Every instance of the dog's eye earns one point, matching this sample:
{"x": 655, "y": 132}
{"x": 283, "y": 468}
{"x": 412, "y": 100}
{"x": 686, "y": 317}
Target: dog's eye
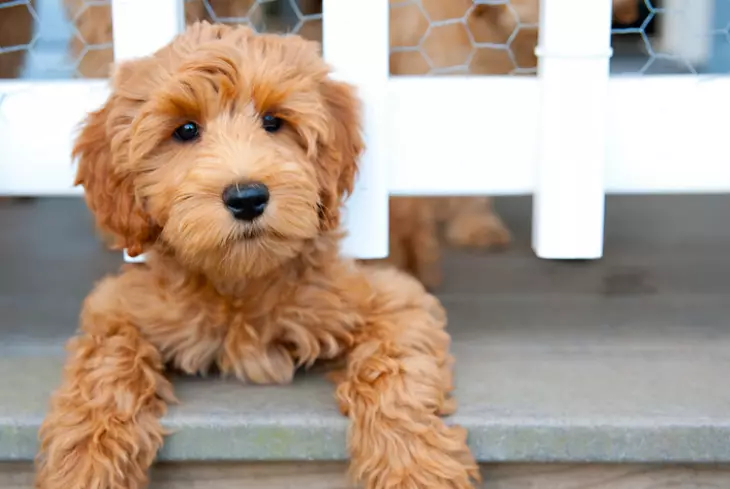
{"x": 271, "y": 123}
{"x": 187, "y": 132}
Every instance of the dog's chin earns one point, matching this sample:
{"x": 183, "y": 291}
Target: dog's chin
{"x": 248, "y": 253}
{"x": 211, "y": 243}
{"x": 257, "y": 254}
{"x": 252, "y": 234}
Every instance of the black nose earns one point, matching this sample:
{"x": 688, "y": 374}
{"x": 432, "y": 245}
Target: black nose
{"x": 246, "y": 201}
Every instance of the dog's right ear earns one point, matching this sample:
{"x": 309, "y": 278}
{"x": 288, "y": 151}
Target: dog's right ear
{"x": 102, "y": 151}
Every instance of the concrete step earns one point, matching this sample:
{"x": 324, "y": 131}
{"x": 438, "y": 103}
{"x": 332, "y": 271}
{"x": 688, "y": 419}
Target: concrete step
{"x": 624, "y": 359}
{"x": 331, "y": 475}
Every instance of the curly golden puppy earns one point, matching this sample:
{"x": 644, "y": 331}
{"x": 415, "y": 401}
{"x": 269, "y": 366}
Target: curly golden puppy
{"x": 225, "y": 157}
{"x": 414, "y": 238}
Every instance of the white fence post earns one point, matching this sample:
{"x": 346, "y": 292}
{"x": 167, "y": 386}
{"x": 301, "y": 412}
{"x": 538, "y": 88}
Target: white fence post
{"x": 574, "y": 51}
{"x": 141, "y": 27}
{"x": 356, "y": 42}
{"x": 686, "y": 30}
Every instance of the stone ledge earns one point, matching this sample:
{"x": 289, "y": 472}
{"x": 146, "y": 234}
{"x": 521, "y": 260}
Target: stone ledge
{"x": 520, "y": 400}
{"x": 624, "y": 359}
{"x": 325, "y": 475}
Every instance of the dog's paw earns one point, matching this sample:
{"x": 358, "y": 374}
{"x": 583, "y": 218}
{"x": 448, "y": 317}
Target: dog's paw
{"x": 478, "y": 231}
{"x": 434, "y": 457}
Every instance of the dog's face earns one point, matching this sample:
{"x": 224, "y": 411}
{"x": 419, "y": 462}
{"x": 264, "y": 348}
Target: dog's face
{"x": 230, "y": 149}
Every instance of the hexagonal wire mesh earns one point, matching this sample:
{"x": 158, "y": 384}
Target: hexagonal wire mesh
{"x": 17, "y": 35}
{"x": 446, "y": 37}
{"x": 94, "y": 27}
{"x": 427, "y": 36}
{"x": 303, "y": 17}
{"x": 640, "y": 45}
{"x": 62, "y": 38}
{"x": 73, "y": 38}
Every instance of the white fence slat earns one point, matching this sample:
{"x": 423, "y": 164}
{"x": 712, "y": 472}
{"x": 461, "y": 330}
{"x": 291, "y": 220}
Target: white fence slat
{"x": 38, "y": 122}
{"x": 672, "y": 147}
{"x": 685, "y": 30}
{"x": 665, "y": 135}
{"x": 141, "y": 27}
{"x": 355, "y": 43}
{"x": 462, "y": 135}
{"x": 574, "y": 53}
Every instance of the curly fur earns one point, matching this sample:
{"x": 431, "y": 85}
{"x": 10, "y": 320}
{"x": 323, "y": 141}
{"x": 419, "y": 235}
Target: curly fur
{"x": 253, "y": 300}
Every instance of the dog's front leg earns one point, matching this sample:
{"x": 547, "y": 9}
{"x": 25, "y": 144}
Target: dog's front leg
{"x": 474, "y": 223}
{"x": 396, "y": 386}
{"x": 103, "y": 430}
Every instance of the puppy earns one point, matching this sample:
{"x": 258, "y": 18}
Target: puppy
{"x": 414, "y": 237}
{"x": 226, "y": 157}
{"x": 469, "y": 221}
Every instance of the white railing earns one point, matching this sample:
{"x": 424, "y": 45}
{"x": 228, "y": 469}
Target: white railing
{"x": 568, "y": 136}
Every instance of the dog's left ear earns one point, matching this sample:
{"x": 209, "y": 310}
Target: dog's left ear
{"x": 102, "y": 151}
{"x": 340, "y": 152}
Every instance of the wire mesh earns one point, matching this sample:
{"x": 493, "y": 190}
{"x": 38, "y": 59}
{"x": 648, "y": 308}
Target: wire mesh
{"x": 73, "y": 38}
{"x": 447, "y": 37}
{"x": 42, "y": 39}
{"x": 17, "y": 35}
{"x": 672, "y": 37}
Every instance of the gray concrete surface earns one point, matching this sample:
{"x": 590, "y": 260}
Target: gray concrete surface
{"x": 622, "y": 359}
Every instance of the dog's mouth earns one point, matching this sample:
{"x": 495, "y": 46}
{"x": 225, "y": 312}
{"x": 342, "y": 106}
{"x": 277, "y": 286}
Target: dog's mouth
{"x": 251, "y": 234}
{"x": 255, "y": 233}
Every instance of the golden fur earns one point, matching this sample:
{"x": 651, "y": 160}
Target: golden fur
{"x": 255, "y": 300}
{"x": 414, "y": 221}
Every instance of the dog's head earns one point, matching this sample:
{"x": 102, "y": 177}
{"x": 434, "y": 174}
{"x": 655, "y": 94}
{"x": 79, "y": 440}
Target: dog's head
{"x": 229, "y": 149}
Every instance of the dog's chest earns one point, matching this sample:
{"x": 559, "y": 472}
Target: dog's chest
{"x": 259, "y": 338}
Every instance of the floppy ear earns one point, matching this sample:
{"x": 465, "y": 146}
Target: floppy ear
{"x": 109, "y": 188}
{"x": 340, "y": 152}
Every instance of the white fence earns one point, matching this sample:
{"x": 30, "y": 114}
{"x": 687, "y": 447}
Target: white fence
{"x": 568, "y": 136}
